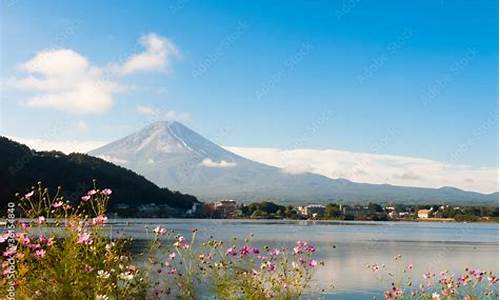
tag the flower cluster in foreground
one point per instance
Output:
(63, 251)
(472, 284)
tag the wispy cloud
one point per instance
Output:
(162, 114)
(375, 168)
(157, 56)
(66, 146)
(355, 166)
(207, 162)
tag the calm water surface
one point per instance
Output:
(429, 246)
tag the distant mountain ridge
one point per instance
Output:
(21, 167)
(170, 154)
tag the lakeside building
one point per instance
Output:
(424, 213)
(225, 207)
(392, 214)
(312, 210)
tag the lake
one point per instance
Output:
(348, 247)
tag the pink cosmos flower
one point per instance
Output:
(41, 220)
(10, 251)
(25, 241)
(84, 239)
(388, 295)
(301, 243)
(409, 267)
(463, 279)
(50, 241)
(160, 231)
(28, 195)
(270, 266)
(88, 269)
(171, 255)
(181, 243)
(42, 239)
(313, 263)
(4, 237)
(231, 251)
(85, 198)
(91, 192)
(398, 292)
(302, 246)
(106, 192)
(375, 268)
(100, 220)
(34, 246)
(39, 254)
(275, 252)
(57, 204)
(245, 250)
(310, 249)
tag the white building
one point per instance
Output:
(424, 213)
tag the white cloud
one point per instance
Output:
(207, 162)
(375, 168)
(157, 56)
(359, 167)
(64, 80)
(161, 114)
(63, 146)
(146, 110)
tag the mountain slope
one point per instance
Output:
(21, 167)
(170, 154)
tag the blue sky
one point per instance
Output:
(415, 79)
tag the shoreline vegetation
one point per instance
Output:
(82, 262)
(230, 209)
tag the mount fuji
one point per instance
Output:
(174, 156)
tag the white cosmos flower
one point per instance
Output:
(126, 276)
(102, 274)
